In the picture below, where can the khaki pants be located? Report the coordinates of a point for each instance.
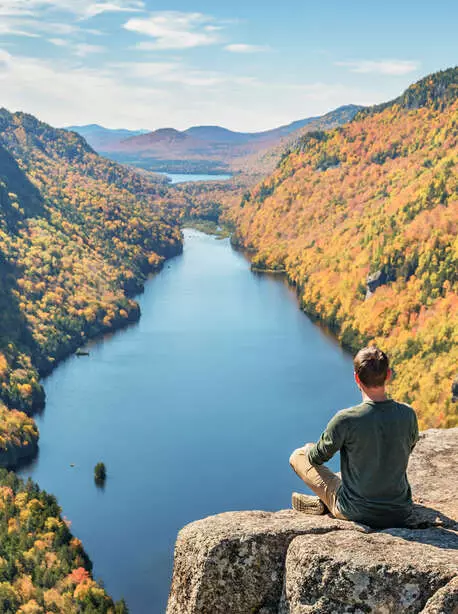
(318, 478)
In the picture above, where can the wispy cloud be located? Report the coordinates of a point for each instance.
(245, 48)
(5, 62)
(14, 27)
(382, 67)
(175, 30)
(175, 93)
(82, 8)
(84, 49)
(177, 72)
(80, 50)
(58, 42)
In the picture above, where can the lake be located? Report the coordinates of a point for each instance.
(194, 411)
(185, 177)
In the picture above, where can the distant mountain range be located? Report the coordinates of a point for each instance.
(99, 137)
(202, 148)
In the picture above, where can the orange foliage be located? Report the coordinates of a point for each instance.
(377, 195)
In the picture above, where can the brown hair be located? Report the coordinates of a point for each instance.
(371, 366)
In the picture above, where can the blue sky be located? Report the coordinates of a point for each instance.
(247, 65)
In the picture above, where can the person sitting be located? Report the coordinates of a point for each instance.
(375, 440)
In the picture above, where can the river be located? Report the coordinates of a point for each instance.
(194, 411)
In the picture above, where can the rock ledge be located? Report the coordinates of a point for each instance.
(288, 563)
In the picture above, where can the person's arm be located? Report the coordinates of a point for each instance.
(330, 441)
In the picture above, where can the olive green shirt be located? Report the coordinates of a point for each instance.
(375, 440)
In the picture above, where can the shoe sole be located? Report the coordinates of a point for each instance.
(307, 504)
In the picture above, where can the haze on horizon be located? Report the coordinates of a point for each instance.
(245, 66)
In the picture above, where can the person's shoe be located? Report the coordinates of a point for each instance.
(308, 504)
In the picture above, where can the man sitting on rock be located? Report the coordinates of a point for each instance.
(375, 440)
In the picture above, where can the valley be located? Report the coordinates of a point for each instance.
(356, 208)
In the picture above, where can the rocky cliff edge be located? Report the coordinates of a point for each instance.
(289, 563)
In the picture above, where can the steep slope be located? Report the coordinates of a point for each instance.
(78, 235)
(43, 567)
(364, 220)
(263, 162)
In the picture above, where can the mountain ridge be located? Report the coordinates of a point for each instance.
(213, 148)
(61, 205)
(209, 132)
(375, 199)
(438, 88)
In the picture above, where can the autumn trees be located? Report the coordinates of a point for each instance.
(379, 195)
(43, 568)
(78, 236)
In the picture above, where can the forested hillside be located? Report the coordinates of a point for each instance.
(364, 221)
(43, 568)
(78, 236)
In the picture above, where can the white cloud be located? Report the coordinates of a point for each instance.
(175, 30)
(82, 8)
(84, 49)
(59, 92)
(94, 9)
(58, 42)
(177, 72)
(33, 24)
(244, 48)
(157, 94)
(79, 49)
(13, 27)
(382, 67)
(5, 62)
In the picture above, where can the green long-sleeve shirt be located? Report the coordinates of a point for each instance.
(375, 440)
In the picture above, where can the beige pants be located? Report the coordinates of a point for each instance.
(318, 478)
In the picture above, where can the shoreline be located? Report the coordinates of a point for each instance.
(13, 457)
(326, 327)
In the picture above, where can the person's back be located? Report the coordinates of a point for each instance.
(375, 440)
(376, 447)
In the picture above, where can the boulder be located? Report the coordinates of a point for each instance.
(433, 474)
(234, 562)
(350, 572)
(289, 563)
(445, 601)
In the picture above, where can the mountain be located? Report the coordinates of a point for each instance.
(78, 236)
(363, 220)
(217, 134)
(264, 161)
(208, 148)
(166, 139)
(436, 90)
(99, 137)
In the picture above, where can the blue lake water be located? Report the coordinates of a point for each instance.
(184, 177)
(194, 411)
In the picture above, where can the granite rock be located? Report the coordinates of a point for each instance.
(285, 562)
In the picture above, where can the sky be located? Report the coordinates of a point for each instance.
(245, 64)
